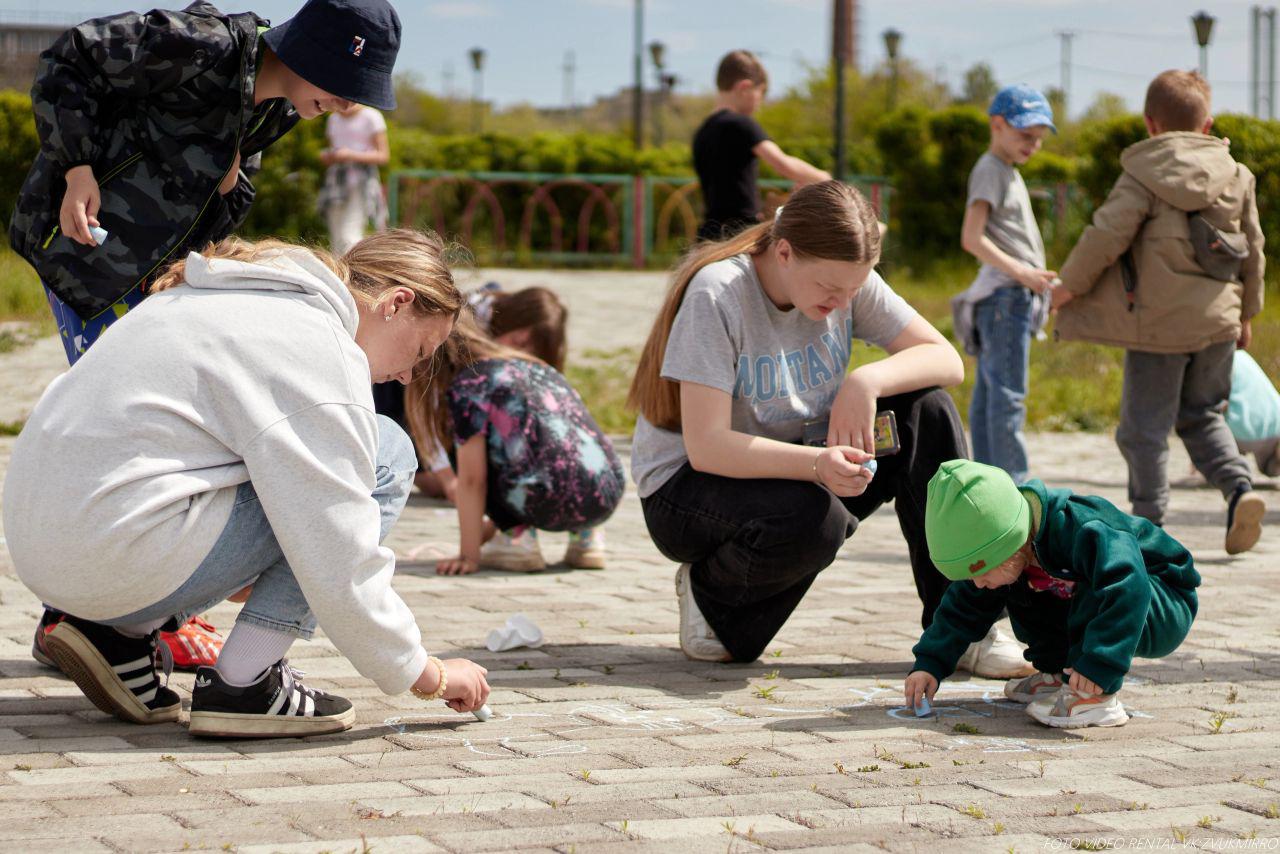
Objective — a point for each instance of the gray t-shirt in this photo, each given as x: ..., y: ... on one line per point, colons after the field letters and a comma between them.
x: 781, y: 368
x: 1012, y: 223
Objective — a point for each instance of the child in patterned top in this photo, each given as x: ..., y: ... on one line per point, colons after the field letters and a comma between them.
x: 529, y: 454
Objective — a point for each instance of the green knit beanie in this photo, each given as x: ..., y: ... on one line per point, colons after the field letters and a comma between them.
x: 974, y: 518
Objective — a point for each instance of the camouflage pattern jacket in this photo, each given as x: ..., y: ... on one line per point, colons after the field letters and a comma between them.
x: 158, y: 103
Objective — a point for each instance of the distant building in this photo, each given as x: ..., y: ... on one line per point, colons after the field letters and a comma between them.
x: 20, y: 47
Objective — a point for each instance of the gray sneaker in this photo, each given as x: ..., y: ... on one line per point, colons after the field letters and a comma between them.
x: 697, y: 640
x: 1069, y: 710
x: 1037, y: 686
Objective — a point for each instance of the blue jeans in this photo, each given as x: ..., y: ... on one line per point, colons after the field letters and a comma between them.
x: 998, y: 411
x: 247, y: 553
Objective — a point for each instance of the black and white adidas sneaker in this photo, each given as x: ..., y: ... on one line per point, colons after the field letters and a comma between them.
x: 278, y: 705
x: 116, y: 672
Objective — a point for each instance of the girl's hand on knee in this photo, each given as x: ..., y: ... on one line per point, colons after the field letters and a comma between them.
x: 241, y: 595
x: 919, y: 684
x: 1081, y: 685
x: 458, y: 565
x: 853, y: 415
x: 840, y: 470
x: 467, y: 689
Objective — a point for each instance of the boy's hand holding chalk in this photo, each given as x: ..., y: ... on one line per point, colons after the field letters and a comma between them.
x: 918, y: 690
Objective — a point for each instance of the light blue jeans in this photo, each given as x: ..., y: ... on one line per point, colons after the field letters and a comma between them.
x: 998, y: 410
x: 247, y: 553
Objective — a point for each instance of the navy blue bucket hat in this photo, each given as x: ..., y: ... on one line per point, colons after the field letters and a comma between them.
x: 346, y: 47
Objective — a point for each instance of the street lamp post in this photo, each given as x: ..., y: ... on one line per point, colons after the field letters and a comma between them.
x: 892, y: 39
x: 658, y: 52
x: 477, y: 87
x: 1203, y: 23
x: 637, y: 102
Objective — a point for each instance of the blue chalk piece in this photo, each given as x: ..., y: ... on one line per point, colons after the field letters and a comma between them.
x: 870, y: 465
x: 99, y: 234
x: 924, y: 709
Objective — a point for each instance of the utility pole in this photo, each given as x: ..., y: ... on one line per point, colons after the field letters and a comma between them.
x: 1065, y: 37
x: 637, y: 104
x: 1271, y: 62
x: 569, y: 67
x: 1255, y: 19
x: 841, y: 57
x: 447, y: 74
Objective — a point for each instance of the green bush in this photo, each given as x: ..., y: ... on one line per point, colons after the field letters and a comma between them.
x: 927, y: 156
x: 18, y: 147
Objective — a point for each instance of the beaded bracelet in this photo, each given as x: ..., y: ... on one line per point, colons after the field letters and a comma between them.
x: 440, y: 689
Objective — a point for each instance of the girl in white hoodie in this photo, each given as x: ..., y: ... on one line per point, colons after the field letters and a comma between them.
x: 226, y: 439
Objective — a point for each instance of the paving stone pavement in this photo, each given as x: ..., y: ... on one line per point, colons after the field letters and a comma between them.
x: 606, y: 739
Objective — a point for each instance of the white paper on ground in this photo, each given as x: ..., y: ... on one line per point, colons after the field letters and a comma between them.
x: 519, y: 631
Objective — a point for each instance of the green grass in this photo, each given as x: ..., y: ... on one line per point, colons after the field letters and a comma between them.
x: 21, y: 297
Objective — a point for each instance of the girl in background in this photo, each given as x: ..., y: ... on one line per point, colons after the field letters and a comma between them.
x: 351, y: 198
x: 529, y: 455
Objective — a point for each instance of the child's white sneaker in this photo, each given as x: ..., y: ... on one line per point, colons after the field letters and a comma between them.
x: 697, y: 640
x: 586, y: 549
x: 1068, y: 710
x: 1037, y: 686
x: 997, y: 656
x: 515, y: 551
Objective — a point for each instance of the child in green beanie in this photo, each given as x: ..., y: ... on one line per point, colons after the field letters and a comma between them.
x: 1087, y: 588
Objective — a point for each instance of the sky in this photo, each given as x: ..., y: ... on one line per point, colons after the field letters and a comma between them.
x: 1119, y: 46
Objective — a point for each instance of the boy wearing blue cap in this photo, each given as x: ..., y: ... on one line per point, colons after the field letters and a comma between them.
x: 151, y: 126
x: 996, y: 317
x: 1087, y: 587
x: 1171, y: 269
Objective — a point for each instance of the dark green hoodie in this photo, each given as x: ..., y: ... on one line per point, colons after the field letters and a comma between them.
x: 1110, y: 555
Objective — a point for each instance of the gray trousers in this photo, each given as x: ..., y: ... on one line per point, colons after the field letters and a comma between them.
x: 1186, y: 392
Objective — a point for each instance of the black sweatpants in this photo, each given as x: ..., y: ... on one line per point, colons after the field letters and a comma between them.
x: 756, y: 545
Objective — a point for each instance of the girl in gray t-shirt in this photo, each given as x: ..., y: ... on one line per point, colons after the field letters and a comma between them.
x: 754, y: 341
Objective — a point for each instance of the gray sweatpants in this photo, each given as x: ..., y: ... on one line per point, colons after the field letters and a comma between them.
x: 1186, y: 392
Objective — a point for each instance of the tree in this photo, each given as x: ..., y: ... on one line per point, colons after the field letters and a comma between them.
x: 980, y: 85
x: 1107, y: 105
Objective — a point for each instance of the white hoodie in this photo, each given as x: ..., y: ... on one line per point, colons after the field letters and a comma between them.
x: 125, y: 474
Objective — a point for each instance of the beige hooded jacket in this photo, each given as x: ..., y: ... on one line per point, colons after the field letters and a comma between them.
x: 1177, y: 307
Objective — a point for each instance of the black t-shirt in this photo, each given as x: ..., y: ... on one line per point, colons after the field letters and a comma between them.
x: 727, y: 167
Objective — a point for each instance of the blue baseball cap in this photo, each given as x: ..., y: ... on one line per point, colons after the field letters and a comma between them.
x: 346, y: 47
x: 1023, y: 107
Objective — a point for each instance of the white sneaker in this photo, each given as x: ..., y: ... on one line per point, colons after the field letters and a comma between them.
x: 997, y: 656
x: 1069, y: 710
x: 586, y: 549
x: 514, y: 553
x: 697, y: 640
x: 1037, y: 686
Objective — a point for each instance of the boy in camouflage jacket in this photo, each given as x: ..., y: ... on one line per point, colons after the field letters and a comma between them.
x: 151, y: 126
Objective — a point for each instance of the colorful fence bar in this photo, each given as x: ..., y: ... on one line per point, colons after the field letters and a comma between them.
x: 514, y: 217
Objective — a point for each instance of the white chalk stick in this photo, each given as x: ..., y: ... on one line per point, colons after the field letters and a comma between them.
x: 483, y: 713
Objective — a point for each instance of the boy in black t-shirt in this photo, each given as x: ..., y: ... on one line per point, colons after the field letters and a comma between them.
x: 727, y: 145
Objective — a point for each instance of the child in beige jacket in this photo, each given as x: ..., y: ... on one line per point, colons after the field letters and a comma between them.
x: 1136, y: 280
